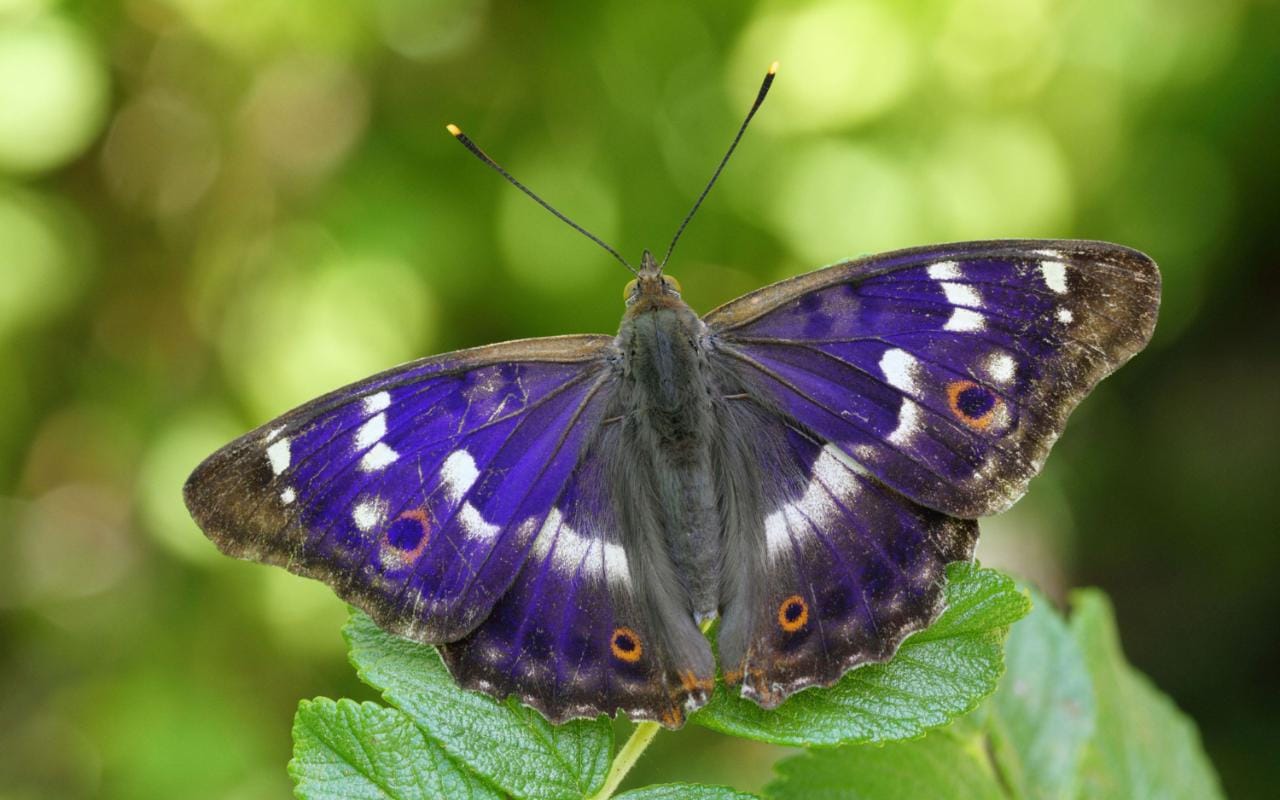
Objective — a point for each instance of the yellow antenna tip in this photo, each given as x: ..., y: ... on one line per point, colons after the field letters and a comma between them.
x: 773, y: 68
x: 453, y: 129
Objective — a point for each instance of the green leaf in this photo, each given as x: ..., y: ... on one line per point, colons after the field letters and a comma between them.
x: 356, y: 750
x: 937, y: 766
x: 1144, y: 746
x: 685, y: 791
x: 937, y: 675
x: 1042, y: 716
x: 511, y: 745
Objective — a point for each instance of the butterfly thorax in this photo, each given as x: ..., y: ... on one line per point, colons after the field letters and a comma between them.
x: 665, y: 402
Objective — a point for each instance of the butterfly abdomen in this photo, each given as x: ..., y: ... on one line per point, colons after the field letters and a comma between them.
x: 667, y: 403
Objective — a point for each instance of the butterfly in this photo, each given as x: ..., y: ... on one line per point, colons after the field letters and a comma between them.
x: 564, y: 516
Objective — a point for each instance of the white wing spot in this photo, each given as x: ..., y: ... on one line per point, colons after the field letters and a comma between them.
x: 964, y: 319
x: 279, y: 456
x: 459, y: 473
x: 615, y: 563
x: 961, y: 294
x: 833, y: 474
x: 377, y: 402
x: 944, y: 271
x: 475, y: 525
x: 372, y: 431
x: 1001, y: 367
x: 836, y: 471
x: 899, y: 368
x: 542, y: 542
x: 288, y: 496
x: 1065, y: 316
x: 908, y: 422
x: 776, y: 537
x: 273, y: 433
x: 571, y: 547
x: 1055, y: 275
x: 368, y: 514
x: 378, y: 458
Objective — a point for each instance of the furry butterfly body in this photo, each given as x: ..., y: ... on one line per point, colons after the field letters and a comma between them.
x: 560, y: 515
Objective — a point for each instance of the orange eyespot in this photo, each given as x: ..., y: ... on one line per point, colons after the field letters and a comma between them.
x: 974, y: 405
x: 793, y: 613
x: 629, y: 290
x: 625, y: 644
x: 671, y: 282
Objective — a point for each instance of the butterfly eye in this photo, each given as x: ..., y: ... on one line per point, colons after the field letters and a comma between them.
x: 629, y: 290
x: 671, y: 283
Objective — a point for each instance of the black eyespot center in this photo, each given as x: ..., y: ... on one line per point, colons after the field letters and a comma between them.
x: 793, y: 611
x: 973, y: 404
x: 975, y: 401
x: 625, y: 644
x: 793, y: 614
x: 409, y: 532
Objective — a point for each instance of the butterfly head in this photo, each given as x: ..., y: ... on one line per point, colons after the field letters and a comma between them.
x: 651, y: 288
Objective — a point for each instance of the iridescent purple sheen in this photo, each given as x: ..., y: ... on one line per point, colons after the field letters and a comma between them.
x: 500, y: 502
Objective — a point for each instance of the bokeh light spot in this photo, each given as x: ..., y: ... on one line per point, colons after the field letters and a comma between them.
x: 838, y: 200
x: 305, y: 114
x: 427, y: 31
x: 1000, y: 47
x: 53, y: 93
x: 161, y: 154
x: 998, y: 177
x: 40, y: 271
x: 304, y: 330
x: 851, y: 62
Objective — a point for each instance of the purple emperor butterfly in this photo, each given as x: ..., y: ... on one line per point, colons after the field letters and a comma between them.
x: 561, y: 515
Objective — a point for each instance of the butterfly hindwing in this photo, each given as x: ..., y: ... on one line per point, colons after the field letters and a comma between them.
x: 586, y: 627
x: 946, y: 371
x: 845, y: 570
x: 406, y: 492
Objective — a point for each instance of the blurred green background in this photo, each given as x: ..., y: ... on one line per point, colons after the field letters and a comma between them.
x: 211, y: 211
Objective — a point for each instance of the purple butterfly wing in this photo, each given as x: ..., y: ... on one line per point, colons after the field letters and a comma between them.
x: 466, y: 500
x: 842, y: 569
x: 945, y: 371
x: 584, y: 628
x: 406, y: 492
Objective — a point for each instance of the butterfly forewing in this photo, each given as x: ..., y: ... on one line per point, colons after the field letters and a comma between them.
x: 946, y: 371
x: 411, y: 493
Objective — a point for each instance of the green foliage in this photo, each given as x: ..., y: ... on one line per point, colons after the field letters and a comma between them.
x: 1144, y: 746
x: 1042, y: 716
x: 937, y: 675
x: 348, y: 750
x: 685, y: 791
x: 509, y: 744
x: 937, y: 766
x: 1070, y: 719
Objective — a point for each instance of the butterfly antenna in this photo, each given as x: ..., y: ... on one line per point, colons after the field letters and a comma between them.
x: 483, y: 156
x: 760, y: 95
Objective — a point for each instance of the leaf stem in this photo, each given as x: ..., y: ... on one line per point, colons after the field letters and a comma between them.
x: 626, y: 758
